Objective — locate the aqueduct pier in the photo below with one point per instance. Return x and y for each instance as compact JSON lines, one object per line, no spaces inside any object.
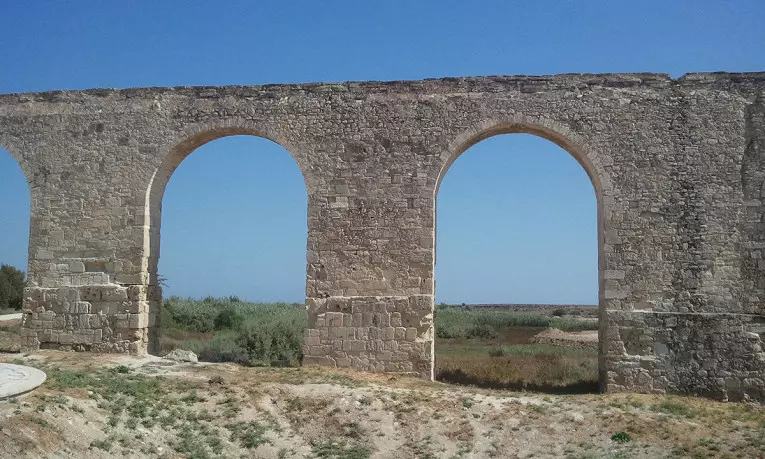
{"x":678,"y":166}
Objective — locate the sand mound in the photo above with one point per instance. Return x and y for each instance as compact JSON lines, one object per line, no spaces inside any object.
{"x":557,"y":337}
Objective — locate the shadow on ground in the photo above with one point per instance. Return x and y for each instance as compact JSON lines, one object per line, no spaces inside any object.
{"x":462,"y":378}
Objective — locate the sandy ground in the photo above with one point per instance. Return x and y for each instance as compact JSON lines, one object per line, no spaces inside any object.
{"x":223,"y":410}
{"x":557,"y":337}
{"x":9,"y":337}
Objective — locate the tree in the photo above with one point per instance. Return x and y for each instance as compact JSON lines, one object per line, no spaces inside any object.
{"x":11,"y":287}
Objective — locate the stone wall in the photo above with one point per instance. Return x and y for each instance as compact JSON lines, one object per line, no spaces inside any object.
{"x":677,"y":165}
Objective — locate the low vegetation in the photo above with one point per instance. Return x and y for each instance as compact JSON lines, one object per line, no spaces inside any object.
{"x":486,"y":323}
{"x":11,"y":288}
{"x":475,"y":346}
{"x":230,"y":330}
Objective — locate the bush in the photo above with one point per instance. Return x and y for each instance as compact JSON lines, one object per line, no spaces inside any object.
{"x":11,"y":287}
{"x":228,"y":318}
{"x":223,"y":348}
{"x":271,"y":343}
{"x":244,"y":333}
{"x":482,"y":331}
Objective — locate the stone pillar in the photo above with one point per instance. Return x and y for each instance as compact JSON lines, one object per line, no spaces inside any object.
{"x":370,"y":266}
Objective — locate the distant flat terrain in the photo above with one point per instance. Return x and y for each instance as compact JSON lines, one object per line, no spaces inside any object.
{"x":524,"y":307}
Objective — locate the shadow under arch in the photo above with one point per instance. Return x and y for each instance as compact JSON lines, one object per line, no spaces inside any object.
{"x":588,"y":158}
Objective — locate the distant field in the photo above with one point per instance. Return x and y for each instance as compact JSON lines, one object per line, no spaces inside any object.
{"x":490,"y":346}
{"x":487,"y":346}
{"x":525,"y":307}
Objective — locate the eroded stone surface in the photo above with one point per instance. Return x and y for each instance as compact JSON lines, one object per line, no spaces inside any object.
{"x":677,"y":165}
{"x":17,"y":379}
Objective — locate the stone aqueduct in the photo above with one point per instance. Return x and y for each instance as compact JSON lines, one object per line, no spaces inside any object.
{"x":678,"y":166}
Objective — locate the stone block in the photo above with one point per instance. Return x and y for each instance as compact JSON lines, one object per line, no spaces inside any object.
{"x":90,"y":293}
{"x":136,"y":293}
{"x":137,"y":320}
{"x":114,"y":294}
{"x":76,"y":267}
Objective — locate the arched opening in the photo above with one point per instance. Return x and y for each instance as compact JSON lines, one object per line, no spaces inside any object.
{"x":14,"y":246}
{"x":517,"y":271}
{"x":232,"y":261}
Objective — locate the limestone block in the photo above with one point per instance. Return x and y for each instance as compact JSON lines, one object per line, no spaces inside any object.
{"x":76,"y":267}
{"x":138,"y":320}
{"x":114,"y":294}
{"x":139,"y":292}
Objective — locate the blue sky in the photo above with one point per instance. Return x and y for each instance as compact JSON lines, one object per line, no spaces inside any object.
{"x":530,"y":235}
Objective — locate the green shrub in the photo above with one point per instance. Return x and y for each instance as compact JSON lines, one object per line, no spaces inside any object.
{"x":244,"y":333}
{"x":482,"y":331}
{"x":228,"y":318}
{"x":11,"y":287}
{"x":223,"y":348}
{"x":271,"y":343}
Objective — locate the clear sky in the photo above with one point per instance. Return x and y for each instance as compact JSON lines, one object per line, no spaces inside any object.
{"x":516,"y":215}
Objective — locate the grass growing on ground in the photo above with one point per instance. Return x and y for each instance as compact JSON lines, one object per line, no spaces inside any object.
{"x":10,"y":336}
{"x":461,"y":322}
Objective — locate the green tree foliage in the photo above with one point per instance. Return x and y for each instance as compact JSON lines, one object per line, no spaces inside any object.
{"x":11,"y":287}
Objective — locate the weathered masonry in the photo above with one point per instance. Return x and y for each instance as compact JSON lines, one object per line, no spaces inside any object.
{"x":678,"y":166}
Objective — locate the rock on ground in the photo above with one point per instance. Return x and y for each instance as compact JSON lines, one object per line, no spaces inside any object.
{"x":180,"y":355}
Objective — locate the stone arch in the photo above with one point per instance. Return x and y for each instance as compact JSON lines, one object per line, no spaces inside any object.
{"x":24,"y":165}
{"x":591,"y":161}
{"x":175,"y":151}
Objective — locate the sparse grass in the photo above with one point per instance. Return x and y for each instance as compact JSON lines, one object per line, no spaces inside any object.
{"x":105,"y":444}
{"x":340,"y":450}
{"x":250,"y":434}
{"x":41,"y":422}
{"x":132,"y":399}
{"x":521,"y":367}
{"x":675,"y":409}
{"x":277,"y":411}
